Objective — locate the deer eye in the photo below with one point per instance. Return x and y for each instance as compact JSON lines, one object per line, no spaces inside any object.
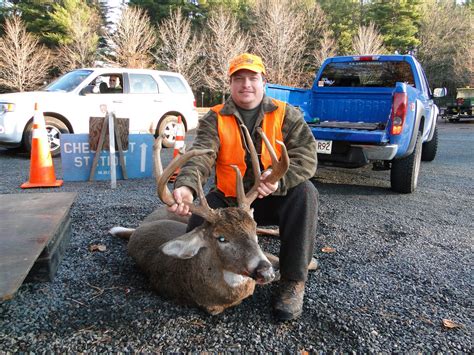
{"x":221,"y":239}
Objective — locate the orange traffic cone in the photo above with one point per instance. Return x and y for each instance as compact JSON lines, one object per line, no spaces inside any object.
{"x":178,"y":146}
{"x":41,"y":163}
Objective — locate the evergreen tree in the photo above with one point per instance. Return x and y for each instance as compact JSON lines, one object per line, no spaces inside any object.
{"x":197,"y":11}
{"x":159,"y":10}
{"x":398,"y":22}
{"x":35,"y":15}
{"x":344,"y":17}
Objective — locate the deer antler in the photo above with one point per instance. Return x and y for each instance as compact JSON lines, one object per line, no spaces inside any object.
{"x":279,"y":167}
{"x":162,"y":177}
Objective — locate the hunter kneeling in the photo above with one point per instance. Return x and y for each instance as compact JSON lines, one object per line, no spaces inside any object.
{"x":291,"y":201}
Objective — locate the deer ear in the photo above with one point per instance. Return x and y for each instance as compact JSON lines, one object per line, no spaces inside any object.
{"x":184,"y":247}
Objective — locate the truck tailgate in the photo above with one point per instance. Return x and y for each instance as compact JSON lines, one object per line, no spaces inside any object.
{"x":353,"y":114}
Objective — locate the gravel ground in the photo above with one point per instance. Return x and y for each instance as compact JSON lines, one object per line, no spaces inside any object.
{"x":402,"y":264}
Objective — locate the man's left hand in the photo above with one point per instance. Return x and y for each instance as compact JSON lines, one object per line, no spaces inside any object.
{"x":265,"y":188}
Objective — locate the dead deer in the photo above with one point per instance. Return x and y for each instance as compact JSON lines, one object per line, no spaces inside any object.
{"x":216,"y":265}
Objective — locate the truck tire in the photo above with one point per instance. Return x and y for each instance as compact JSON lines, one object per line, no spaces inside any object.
{"x":405,"y":171}
{"x":54,"y":127}
{"x":429,"y":149}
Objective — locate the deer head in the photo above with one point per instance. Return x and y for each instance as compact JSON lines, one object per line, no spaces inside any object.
{"x":228,"y":233}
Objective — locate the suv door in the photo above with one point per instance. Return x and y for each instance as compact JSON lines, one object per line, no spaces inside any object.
{"x":97,"y":95}
{"x":144,"y":102}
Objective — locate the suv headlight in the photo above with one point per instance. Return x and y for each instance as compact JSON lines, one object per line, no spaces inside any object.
{"x":6,"y":107}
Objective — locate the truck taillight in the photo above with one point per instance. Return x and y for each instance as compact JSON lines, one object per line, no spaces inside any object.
{"x":460,"y":101}
{"x":399,"y":112}
{"x":194,"y":102}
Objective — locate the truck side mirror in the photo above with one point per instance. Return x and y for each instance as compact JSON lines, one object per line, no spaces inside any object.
{"x":440,"y":92}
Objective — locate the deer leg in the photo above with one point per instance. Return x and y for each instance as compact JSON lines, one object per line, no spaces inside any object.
{"x":268,"y":231}
{"x":121,"y":232}
{"x":275,"y":261}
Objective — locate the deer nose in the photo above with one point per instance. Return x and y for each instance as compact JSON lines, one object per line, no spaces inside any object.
{"x":263,"y":273}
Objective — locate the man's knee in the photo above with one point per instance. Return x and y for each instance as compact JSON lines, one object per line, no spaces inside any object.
{"x":306,"y":193}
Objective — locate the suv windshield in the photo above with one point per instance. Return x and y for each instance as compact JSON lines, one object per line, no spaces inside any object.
{"x":366,"y":74}
{"x":69,"y":81}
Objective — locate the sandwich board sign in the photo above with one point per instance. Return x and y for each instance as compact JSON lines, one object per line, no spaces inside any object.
{"x":77,"y":158}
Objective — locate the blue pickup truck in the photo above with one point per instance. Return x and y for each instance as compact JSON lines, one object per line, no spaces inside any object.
{"x":370,"y":109}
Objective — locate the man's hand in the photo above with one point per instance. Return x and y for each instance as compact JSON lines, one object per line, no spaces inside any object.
{"x":265,"y":188}
{"x":181,"y":194}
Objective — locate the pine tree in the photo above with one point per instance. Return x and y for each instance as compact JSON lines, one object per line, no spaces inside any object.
{"x":398,"y":22}
{"x":344,"y":17}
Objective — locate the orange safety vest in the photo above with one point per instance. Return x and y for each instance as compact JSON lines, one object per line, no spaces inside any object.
{"x":231,"y":150}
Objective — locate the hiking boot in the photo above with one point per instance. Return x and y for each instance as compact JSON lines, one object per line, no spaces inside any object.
{"x":288,"y":303}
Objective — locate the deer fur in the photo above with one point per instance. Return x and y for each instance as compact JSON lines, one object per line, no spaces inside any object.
{"x":197,"y":269}
{"x":216,"y":265}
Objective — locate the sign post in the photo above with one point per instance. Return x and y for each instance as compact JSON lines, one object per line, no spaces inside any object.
{"x":113,"y":172}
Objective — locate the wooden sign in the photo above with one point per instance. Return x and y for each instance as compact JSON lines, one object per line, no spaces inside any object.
{"x":121,"y":129}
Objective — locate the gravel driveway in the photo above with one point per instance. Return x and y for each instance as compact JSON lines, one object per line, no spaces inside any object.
{"x":401,"y":264}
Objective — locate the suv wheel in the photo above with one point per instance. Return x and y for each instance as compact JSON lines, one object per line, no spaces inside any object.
{"x":54,"y":129}
{"x":167,"y":129}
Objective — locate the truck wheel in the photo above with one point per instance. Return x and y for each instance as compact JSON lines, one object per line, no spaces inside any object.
{"x":429,"y":149}
{"x":167,"y":129}
{"x":54,"y":128}
{"x":405,"y":171}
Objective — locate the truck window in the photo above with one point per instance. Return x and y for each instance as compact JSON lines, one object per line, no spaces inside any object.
{"x":366,"y":74}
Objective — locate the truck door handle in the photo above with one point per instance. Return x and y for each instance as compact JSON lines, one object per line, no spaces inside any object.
{"x":158,"y":100}
{"x":117,"y":101}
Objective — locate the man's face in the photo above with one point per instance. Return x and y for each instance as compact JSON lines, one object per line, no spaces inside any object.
{"x":113,"y":81}
{"x":247,"y":88}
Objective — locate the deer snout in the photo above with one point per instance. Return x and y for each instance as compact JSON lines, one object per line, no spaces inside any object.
{"x":263,"y":273}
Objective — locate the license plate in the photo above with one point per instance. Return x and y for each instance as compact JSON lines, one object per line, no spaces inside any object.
{"x":324,"y":147}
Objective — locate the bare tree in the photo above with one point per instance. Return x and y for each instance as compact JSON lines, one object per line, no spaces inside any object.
{"x":368,"y":41}
{"x":23,"y":62}
{"x":281,"y":39}
{"x":446,"y":50}
{"x":79,"y":41}
{"x":180,"y":50}
{"x":133,"y":40}
{"x":224,"y":41}
{"x":327,"y":47}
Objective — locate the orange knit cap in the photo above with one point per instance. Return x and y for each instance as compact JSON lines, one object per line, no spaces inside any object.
{"x":246,"y":61}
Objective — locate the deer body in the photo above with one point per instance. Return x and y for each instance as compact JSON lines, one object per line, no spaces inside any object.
{"x":209,"y":285}
{"x":214,"y":266}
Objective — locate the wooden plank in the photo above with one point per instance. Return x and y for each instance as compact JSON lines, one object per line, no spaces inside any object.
{"x":120,"y":150}
{"x":30,"y":221}
{"x":96,"y":127}
{"x":45,"y":267}
{"x":99,"y":148}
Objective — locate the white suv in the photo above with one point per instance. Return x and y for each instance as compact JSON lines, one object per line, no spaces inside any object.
{"x":151,"y":99}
